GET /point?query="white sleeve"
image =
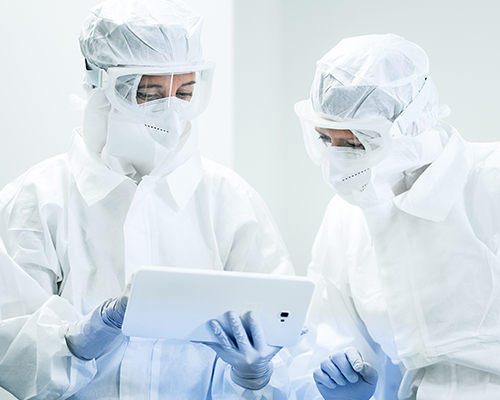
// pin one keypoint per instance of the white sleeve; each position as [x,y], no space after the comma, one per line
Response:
[34,359]
[257,245]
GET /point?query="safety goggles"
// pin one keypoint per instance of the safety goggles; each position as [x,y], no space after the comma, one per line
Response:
[152,89]
[357,137]
[373,134]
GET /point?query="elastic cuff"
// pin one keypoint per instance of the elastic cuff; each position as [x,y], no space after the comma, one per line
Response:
[253,383]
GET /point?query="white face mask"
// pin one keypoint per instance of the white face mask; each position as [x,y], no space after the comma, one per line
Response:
[350,173]
[367,178]
[137,144]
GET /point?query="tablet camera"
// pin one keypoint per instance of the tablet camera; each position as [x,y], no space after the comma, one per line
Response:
[284,315]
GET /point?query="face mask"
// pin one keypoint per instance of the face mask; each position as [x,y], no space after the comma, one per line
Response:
[140,143]
[365,179]
[350,173]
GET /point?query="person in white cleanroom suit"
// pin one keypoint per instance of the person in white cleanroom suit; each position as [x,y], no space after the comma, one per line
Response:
[132,190]
[407,257]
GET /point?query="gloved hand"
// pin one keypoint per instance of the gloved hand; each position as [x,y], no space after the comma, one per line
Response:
[98,332]
[345,375]
[245,350]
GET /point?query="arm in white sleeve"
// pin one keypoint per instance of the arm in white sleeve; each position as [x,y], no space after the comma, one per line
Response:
[333,321]
[34,359]
[256,245]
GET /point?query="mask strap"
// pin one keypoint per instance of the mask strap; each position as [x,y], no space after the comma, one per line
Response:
[412,112]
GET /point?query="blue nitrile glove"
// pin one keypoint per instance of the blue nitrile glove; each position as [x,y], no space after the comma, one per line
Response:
[99,331]
[245,350]
[345,375]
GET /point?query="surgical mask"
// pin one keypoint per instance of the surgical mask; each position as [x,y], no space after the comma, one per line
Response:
[141,143]
[365,179]
[346,166]
[350,172]
[345,180]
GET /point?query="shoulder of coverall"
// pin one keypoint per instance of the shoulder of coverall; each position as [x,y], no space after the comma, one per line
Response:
[227,182]
[485,155]
[343,230]
[486,165]
[231,190]
[343,214]
[39,188]
[483,186]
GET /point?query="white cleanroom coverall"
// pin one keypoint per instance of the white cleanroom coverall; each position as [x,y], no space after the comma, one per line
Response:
[421,273]
[72,231]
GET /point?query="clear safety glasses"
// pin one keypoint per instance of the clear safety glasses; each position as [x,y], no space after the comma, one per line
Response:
[355,139]
[151,90]
[374,134]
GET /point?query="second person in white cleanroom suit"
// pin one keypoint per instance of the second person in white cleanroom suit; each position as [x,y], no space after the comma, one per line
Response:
[133,190]
[408,254]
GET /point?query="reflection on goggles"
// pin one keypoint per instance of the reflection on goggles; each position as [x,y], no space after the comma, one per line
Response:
[155,87]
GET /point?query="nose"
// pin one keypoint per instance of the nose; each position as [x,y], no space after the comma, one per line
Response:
[344,138]
[338,140]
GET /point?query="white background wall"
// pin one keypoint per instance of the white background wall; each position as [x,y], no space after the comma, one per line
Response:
[265,52]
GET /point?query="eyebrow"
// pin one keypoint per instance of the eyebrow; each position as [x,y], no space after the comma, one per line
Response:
[148,86]
[154,85]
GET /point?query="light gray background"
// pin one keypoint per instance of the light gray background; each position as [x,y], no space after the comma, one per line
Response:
[265,51]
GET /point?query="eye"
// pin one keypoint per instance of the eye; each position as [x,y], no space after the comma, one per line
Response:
[354,144]
[325,138]
[148,96]
[184,95]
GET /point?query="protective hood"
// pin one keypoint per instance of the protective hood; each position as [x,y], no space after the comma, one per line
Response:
[141,33]
[146,80]
[377,87]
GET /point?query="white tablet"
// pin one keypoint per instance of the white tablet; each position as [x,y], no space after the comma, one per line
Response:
[177,303]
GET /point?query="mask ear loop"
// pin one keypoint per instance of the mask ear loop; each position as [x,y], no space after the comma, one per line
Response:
[170,89]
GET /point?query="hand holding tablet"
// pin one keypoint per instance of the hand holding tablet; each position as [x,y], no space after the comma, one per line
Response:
[175,303]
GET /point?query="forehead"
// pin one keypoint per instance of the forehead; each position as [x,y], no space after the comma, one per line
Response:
[337,132]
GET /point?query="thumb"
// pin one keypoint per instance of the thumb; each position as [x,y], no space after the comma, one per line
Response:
[369,374]
[126,291]
[121,305]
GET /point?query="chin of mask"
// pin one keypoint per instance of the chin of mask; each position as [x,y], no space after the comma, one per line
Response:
[351,175]
[142,143]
